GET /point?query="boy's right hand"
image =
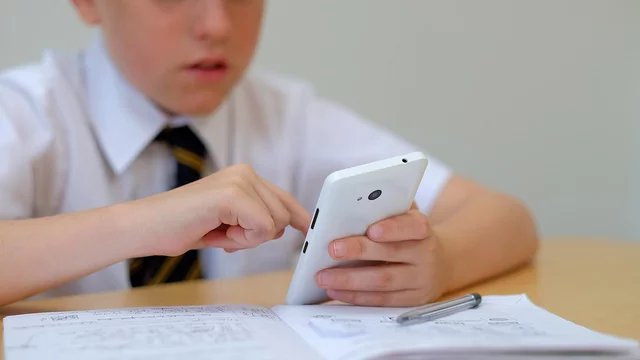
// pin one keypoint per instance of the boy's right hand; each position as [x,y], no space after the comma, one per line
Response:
[233,209]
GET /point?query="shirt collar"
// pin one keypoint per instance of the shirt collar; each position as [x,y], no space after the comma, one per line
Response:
[125,121]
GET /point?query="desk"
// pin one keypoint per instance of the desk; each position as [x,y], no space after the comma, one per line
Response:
[593,283]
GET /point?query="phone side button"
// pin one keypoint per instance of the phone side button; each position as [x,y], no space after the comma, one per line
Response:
[304,248]
[315,217]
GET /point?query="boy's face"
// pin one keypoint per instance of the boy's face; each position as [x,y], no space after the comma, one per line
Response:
[185,55]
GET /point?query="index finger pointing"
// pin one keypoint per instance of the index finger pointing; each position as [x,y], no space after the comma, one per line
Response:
[300,217]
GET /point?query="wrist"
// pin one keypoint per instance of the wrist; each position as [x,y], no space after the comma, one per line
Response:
[162,224]
[446,264]
[130,228]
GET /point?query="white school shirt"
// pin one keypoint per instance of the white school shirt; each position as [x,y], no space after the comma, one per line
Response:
[75,135]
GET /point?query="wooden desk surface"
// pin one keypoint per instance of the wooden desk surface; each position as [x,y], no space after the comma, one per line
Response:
[593,283]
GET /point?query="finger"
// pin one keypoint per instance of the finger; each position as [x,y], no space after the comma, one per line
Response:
[413,225]
[370,278]
[233,246]
[279,213]
[247,239]
[237,233]
[363,248]
[243,207]
[380,298]
[300,217]
[218,238]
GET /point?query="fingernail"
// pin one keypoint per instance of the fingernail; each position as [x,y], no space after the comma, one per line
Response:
[339,248]
[375,232]
[324,278]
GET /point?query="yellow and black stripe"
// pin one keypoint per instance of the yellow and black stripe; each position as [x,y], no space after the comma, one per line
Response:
[189,153]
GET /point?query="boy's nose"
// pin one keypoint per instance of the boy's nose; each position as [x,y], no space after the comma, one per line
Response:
[213,23]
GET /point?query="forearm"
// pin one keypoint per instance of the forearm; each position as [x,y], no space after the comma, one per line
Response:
[39,254]
[487,235]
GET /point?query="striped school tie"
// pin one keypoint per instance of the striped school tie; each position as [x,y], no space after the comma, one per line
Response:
[189,152]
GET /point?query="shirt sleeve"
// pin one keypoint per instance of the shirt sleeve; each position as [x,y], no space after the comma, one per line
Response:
[333,137]
[22,145]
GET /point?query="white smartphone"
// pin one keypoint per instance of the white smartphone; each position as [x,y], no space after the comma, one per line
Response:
[350,201]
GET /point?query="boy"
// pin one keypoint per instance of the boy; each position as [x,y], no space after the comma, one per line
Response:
[142,158]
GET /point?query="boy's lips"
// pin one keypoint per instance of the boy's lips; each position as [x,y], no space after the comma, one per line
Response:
[209,69]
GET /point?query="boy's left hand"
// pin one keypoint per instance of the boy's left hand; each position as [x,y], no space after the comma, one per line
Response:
[413,273]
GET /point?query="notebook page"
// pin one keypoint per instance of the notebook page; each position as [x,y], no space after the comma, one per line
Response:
[158,333]
[500,324]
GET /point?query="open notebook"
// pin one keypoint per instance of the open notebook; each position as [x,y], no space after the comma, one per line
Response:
[501,325]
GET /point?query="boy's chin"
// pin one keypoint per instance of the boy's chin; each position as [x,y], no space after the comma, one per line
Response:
[194,107]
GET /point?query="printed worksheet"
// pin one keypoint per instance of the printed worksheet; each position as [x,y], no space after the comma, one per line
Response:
[500,324]
[193,333]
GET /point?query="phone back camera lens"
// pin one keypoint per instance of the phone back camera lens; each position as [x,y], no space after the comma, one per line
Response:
[374,195]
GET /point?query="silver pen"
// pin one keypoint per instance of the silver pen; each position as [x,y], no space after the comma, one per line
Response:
[437,310]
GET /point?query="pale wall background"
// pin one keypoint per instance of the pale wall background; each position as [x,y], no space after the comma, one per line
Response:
[538,98]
